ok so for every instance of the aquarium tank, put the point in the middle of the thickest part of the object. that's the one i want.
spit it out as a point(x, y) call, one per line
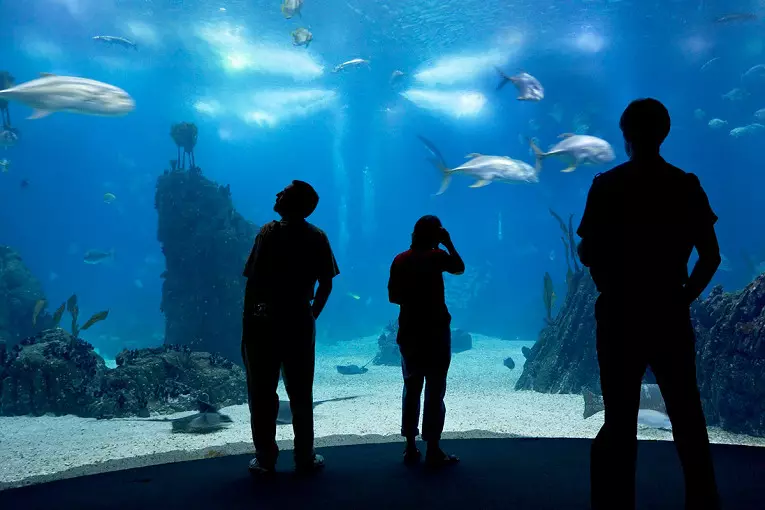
point(144, 143)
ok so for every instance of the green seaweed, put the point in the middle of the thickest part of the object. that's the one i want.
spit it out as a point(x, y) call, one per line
point(74, 310)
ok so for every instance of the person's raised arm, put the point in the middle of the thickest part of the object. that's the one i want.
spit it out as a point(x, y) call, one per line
point(454, 263)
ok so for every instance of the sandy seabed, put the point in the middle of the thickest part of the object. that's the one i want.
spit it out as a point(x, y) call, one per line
point(480, 402)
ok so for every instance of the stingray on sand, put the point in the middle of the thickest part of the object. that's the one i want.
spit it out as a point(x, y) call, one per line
point(208, 419)
point(285, 413)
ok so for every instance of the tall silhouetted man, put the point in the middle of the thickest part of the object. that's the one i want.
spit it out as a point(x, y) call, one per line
point(280, 308)
point(641, 222)
point(424, 334)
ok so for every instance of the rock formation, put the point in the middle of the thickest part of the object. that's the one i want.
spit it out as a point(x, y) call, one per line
point(388, 353)
point(730, 340)
point(54, 372)
point(205, 243)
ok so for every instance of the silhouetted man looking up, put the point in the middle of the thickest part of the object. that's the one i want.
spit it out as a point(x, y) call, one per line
point(280, 309)
point(640, 225)
point(424, 335)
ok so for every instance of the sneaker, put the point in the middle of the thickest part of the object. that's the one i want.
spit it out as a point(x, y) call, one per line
point(261, 468)
point(310, 466)
point(412, 456)
point(438, 458)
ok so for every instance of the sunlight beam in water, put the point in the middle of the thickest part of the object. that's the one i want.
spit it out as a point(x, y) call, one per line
point(458, 103)
point(462, 68)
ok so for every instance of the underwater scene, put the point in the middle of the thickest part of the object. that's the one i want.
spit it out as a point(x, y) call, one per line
point(144, 142)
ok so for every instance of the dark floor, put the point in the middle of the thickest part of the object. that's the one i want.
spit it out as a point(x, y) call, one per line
point(513, 474)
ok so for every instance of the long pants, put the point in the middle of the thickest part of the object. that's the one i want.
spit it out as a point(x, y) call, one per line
point(428, 367)
point(625, 350)
point(286, 342)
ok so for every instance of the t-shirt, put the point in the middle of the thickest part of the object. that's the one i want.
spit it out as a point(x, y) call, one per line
point(641, 223)
point(286, 261)
point(417, 284)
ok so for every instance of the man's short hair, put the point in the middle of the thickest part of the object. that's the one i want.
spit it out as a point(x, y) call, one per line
point(305, 198)
point(645, 122)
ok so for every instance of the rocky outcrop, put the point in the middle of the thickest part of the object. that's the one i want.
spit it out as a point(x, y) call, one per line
point(388, 352)
point(730, 340)
point(564, 360)
point(19, 293)
point(54, 372)
point(205, 243)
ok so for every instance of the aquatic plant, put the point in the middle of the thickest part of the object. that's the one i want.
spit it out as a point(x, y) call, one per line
point(568, 233)
point(184, 134)
point(74, 310)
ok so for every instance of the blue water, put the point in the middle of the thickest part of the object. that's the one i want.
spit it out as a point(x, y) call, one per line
point(229, 67)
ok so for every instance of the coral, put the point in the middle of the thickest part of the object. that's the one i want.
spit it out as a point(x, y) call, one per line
point(206, 244)
point(54, 372)
point(185, 134)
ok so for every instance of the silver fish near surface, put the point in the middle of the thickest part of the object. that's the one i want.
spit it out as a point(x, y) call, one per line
point(484, 169)
point(116, 41)
point(350, 63)
point(51, 93)
point(577, 150)
point(529, 88)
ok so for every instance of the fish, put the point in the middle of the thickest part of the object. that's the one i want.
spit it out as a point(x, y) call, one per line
point(39, 305)
point(736, 94)
point(109, 198)
point(717, 123)
point(395, 76)
point(52, 93)
point(301, 37)
point(577, 150)
point(709, 63)
point(284, 416)
point(760, 114)
point(650, 399)
point(509, 363)
point(349, 63)
point(8, 138)
point(292, 7)
point(736, 17)
point(138, 283)
point(754, 73)
point(354, 296)
point(114, 40)
point(4, 164)
point(748, 130)
point(351, 369)
point(485, 169)
point(97, 256)
point(207, 420)
point(24, 184)
point(529, 88)
point(552, 255)
point(654, 419)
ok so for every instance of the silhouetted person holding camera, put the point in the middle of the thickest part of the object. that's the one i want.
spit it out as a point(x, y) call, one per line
point(424, 334)
point(280, 308)
point(640, 225)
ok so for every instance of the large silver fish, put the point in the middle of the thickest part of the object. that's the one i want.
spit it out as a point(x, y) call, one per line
point(114, 40)
point(529, 88)
point(51, 93)
point(577, 150)
point(292, 7)
point(485, 169)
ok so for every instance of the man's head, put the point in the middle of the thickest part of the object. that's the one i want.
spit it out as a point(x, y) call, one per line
point(297, 201)
point(645, 124)
point(427, 233)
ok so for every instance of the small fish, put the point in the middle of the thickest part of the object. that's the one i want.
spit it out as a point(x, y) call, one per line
point(351, 369)
point(354, 296)
point(699, 114)
point(109, 198)
point(509, 363)
point(24, 184)
point(717, 123)
point(500, 234)
point(709, 63)
point(4, 164)
point(529, 88)
point(349, 63)
point(485, 169)
point(301, 37)
point(96, 256)
point(292, 7)
point(114, 40)
point(39, 305)
point(760, 114)
point(736, 94)
point(8, 138)
point(748, 130)
point(577, 150)
point(552, 255)
point(51, 93)
point(736, 17)
point(396, 76)
point(754, 73)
